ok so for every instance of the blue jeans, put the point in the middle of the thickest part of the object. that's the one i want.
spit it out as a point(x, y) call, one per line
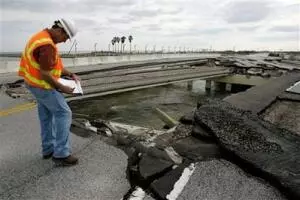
point(55, 120)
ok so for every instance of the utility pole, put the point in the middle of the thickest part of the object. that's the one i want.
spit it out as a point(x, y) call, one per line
point(95, 47)
point(75, 48)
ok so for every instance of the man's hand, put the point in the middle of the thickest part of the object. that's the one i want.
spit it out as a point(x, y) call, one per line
point(75, 77)
point(66, 89)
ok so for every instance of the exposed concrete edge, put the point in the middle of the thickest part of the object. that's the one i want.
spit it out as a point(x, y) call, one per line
point(272, 89)
point(243, 79)
point(286, 96)
point(140, 87)
point(11, 77)
point(128, 65)
point(160, 76)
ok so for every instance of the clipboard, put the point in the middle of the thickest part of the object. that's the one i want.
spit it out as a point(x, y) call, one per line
point(72, 84)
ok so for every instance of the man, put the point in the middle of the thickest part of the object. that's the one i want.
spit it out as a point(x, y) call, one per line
point(41, 67)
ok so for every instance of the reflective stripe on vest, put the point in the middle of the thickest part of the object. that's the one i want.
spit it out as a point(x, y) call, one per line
point(30, 69)
point(33, 81)
point(29, 50)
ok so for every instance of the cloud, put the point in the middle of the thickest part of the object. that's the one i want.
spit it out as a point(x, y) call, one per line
point(279, 37)
point(214, 31)
point(32, 5)
point(246, 11)
point(14, 34)
point(109, 3)
point(17, 27)
point(294, 28)
point(292, 8)
point(171, 11)
point(154, 11)
point(193, 23)
point(193, 32)
point(125, 20)
point(248, 28)
point(69, 6)
point(83, 22)
point(145, 13)
point(153, 27)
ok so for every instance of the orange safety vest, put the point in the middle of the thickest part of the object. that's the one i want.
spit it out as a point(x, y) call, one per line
point(30, 68)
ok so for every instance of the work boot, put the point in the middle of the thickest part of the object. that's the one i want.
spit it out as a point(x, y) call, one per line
point(47, 156)
point(67, 161)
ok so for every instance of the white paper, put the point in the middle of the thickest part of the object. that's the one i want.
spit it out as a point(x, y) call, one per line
point(72, 84)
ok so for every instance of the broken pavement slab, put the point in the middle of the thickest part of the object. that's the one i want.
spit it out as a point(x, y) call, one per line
point(164, 185)
point(195, 149)
point(150, 166)
point(256, 99)
point(188, 118)
point(222, 180)
point(287, 108)
point(260, 147)
point(289, 97)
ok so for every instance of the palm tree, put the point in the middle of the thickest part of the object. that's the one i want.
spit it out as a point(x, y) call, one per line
point(123, 38)
point(130, 38)
point(113, 42)
point(118, 41)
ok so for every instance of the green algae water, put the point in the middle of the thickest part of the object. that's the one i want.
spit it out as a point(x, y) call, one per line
point(137, 107)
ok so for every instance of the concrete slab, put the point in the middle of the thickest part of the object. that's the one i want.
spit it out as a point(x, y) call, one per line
point(289, 96)
point(11, 77)
point(285, 114)
point(195, 149)
point(24, 175)
point(222, 180)
point(262, 148)
point(164, 185)
point(243, 79)
point(256, 99)
point(150, 166)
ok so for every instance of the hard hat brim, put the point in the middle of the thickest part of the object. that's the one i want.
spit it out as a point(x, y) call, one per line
point(66, 28)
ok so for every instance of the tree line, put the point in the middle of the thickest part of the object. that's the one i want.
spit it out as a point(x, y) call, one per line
point(120, 47)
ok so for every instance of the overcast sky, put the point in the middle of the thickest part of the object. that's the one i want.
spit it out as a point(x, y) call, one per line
point(193, 24)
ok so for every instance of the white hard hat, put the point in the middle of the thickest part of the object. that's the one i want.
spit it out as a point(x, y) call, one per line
point(69, 27)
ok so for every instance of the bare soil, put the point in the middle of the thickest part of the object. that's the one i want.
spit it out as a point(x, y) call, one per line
point(285, 114)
